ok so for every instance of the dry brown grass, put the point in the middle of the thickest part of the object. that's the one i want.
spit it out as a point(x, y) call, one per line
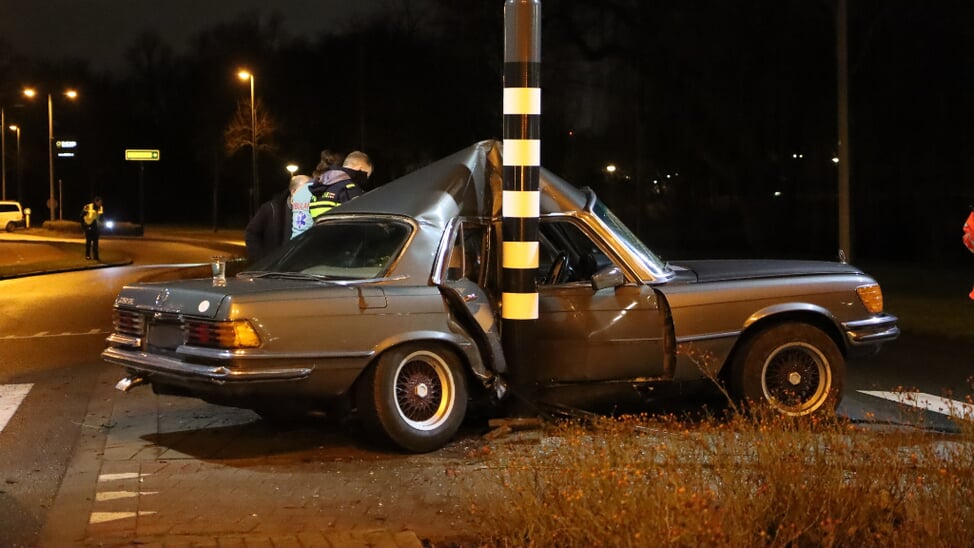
point(761, 481)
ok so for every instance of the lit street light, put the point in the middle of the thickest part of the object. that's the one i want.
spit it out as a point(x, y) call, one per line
point(20, 187)
point(70, 94)
point(291, 169)
point(254, 192)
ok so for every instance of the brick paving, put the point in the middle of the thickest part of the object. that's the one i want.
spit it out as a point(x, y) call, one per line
point(164, 471)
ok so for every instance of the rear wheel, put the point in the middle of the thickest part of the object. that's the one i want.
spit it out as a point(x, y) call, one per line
point(793, 368)
point(414, 396)
point(11, 226)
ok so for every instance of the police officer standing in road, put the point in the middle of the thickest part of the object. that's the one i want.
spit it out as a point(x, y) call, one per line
point(91, 218)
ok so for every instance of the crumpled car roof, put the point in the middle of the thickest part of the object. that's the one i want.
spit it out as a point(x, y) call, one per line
point(466, 183)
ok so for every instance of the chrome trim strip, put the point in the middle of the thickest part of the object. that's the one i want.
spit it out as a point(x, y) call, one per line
point(708, 337)
point(217, 374)
point(875, 322)
point(254, 354)
point(124, 340)
point(863, 338)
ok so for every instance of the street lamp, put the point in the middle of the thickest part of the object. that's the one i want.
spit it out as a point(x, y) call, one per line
point(291, 169)
point(20, 190)
point(70, 94)
point(3, 154)
point(255, 192)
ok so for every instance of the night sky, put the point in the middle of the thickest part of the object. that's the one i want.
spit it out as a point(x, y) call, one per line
point(99, 30)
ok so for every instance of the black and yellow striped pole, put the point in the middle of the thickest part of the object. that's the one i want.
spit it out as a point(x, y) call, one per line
point(521, 201)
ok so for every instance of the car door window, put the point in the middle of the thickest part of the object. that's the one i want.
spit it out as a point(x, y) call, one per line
point(564, 238)
point(468, 254)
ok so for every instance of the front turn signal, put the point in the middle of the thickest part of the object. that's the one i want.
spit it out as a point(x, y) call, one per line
point(871, 297)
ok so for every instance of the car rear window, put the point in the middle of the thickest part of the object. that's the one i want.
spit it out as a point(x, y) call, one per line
point(342, 249)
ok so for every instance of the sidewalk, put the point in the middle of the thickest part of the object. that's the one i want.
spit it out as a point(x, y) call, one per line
point(147, 473)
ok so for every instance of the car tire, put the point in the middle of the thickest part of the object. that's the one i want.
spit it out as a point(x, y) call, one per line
point(10, 226)
point(793, 368)
point(414, 396)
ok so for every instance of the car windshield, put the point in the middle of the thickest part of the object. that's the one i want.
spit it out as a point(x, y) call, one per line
point(340, 250)
point(635, 245)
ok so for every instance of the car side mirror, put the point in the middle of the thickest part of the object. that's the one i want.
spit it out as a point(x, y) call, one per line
point(610, 276)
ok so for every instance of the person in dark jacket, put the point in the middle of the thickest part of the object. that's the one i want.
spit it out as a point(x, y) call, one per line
point(271, 225)
point(340, 184)
point(327, 160)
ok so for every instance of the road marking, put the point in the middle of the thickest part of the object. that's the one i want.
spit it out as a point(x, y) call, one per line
point(102, 517)
point(116, 495)
point(121, 476)
point(937, 404)
point(11, 396)
point(107, 496)
point(43, 334)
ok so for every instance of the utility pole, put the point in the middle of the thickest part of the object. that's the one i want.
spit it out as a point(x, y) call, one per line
point(522, 174)
point(845, 156)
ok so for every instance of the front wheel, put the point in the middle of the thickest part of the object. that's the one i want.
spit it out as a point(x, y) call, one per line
point(794, 368)
point(414, 396)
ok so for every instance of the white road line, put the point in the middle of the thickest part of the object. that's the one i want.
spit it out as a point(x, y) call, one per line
point(121, 476)
point(116, 495)
point(11, 396)
point(937, 404)
point(102, 517)
point(44, 334)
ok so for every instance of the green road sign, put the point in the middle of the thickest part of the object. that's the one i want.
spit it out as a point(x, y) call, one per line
point(142, 155)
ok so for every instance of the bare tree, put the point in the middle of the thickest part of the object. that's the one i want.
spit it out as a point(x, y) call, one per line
point(239, 134)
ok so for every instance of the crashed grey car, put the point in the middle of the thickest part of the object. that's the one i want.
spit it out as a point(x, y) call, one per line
point(389, 307)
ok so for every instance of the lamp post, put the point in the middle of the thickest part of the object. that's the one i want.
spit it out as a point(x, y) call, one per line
point(291, 169)
point(3, 154)
point(71, 94)
point(20, 190)
point(255, 190)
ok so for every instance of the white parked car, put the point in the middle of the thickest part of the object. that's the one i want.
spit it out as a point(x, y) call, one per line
point(11, 215)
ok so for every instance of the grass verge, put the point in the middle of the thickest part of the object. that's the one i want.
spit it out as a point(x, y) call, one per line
point(757, 481)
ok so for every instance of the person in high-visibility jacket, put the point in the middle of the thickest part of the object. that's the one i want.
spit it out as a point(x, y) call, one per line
point(92, 215)
point(338, 185)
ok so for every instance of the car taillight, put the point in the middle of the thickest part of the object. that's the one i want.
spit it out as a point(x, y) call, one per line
point(871, 297)
point(128, 322)
point(229, 335)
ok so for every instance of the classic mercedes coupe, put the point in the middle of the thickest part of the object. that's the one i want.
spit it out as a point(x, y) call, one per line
point(389, 308)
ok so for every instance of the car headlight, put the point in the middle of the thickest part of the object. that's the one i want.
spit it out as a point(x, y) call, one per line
point(871, 297)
